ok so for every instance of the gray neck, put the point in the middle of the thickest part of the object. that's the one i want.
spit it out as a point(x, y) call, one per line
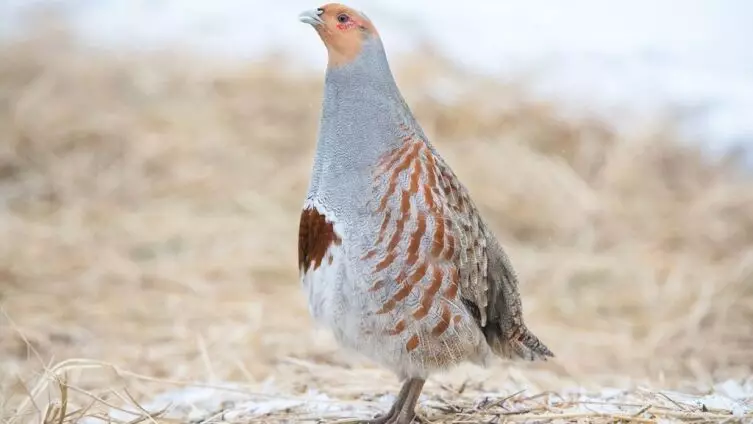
point(370, 69)
point(361, 115)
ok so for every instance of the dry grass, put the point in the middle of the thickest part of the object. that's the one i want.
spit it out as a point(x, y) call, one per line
point(148, 218)
point(325, 398)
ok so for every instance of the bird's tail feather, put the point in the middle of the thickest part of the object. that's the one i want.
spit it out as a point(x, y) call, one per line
point(523, 345)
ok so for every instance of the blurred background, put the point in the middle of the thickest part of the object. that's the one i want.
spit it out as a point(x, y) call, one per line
point(154, 156)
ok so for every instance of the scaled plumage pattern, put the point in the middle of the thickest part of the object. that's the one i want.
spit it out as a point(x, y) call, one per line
point(393, 254)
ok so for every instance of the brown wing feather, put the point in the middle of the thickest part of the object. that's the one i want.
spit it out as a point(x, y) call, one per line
point(462, 258)
point(488, 283)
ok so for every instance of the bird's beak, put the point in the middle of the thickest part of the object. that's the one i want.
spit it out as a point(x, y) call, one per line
point(311, 17)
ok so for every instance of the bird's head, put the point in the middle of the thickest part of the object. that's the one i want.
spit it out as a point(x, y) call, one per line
point(342, 29)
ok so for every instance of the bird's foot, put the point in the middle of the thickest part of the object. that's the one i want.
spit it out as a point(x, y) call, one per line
point(392, 417)
point(404, 409)
point(380, 419)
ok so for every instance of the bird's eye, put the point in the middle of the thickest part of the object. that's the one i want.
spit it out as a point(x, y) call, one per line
point(320, 11)
point(342, 18)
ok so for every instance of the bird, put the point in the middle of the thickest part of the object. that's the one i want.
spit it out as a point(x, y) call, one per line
point(393, 254)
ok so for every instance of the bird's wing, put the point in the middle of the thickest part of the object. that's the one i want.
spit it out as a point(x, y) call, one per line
point(419, 251)
point(432, 237)
point(488, 282)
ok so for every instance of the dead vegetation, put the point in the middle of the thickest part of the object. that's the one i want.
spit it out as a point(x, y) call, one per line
point(148, 218)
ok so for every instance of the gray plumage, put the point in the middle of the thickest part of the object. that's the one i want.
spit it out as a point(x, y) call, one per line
point(407, 272)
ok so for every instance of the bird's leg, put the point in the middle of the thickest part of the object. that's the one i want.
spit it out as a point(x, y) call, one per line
point(396, 406)
point(408, 410)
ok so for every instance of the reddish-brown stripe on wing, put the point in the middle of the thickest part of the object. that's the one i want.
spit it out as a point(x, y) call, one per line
point(429, 197)
point(370, 254)
point(390, 159)
point(412, 343)
point(438, 242)
point(415, 173)
point(405, 205)
point(383, 228)
point(386, 197)
point(452, 290)
point(428, 296)
point(400, 225)
point(387, 307)
point(392, 302)
point(422, 311)
point(378, 285)
point(399, 328)
point(407, 160)
point(444, 321)
point(431, 166)
point(384, 263)
point(415, 241)
point(418, 274)
point(396, 169)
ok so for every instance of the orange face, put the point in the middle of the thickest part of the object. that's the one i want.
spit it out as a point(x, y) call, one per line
point(342, 30)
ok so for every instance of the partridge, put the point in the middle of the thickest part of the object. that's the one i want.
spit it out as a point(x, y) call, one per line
point(393, 255)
